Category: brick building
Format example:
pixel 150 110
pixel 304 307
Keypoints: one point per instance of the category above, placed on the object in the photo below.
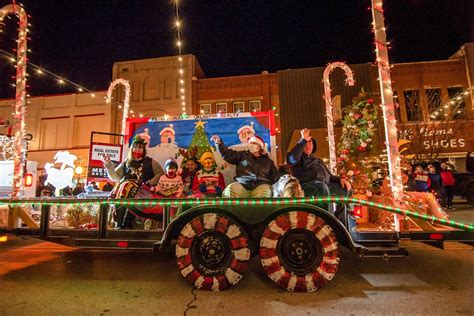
pixel 64 122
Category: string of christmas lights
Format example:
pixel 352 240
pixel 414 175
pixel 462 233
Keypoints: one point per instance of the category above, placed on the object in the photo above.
pixel 40 71
pixel 452 105
pixel 179 44
pixel 388 106
pixel 242 202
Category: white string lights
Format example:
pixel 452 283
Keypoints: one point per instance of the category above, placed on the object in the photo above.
pixel 388 106
pixel 451 107
pixel 40 71
pixel 329 108
pixel 179 44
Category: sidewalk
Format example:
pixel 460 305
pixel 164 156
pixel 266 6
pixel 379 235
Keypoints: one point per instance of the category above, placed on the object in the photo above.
pixel 462 212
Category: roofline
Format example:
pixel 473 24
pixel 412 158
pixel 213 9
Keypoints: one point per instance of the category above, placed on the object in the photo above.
pixel 55 95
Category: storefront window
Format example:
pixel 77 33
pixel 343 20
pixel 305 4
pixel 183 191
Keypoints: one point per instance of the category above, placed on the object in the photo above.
pixel 413 107
pixel 205 108
pixel 435 107
pixel 457 103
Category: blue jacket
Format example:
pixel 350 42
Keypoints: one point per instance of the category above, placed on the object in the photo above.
pixel 307 167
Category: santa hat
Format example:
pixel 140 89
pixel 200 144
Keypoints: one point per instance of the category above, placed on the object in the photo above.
pixel 258 140
pixel 168 129
pixel 249 127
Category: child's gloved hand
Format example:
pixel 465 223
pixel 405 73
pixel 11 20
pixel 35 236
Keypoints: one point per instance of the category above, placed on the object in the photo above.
pixel 218 190
pixel 202 188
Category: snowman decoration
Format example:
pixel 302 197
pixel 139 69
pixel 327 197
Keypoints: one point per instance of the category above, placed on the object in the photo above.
pixel 167 149
pixel 62 177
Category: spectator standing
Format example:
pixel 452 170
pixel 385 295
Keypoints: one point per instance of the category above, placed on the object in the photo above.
pixel 448 182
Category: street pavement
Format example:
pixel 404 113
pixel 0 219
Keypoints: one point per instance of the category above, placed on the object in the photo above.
pixel 41 278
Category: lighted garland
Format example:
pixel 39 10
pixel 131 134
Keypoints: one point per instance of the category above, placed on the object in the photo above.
pixel 388 106
pixel 329 107
pixel 7 147
pixel 20 95
pixel 239 202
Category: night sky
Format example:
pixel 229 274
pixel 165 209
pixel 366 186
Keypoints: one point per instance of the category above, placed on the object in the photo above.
pixel 82 39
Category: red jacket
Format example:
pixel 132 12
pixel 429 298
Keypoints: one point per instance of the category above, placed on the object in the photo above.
pixel 210 179
pixel 447 177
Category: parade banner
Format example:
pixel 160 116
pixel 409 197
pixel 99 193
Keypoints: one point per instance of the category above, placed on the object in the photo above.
pixel 96 170
pixel 166 137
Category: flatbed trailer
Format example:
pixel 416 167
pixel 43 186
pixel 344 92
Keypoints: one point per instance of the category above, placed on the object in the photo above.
pixel 297 239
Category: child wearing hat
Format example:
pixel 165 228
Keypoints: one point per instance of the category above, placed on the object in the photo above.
pixel 170 185
pixel 208 181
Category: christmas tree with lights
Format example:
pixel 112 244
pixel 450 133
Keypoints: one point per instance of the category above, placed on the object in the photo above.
pixel 200 140
pixel 356 147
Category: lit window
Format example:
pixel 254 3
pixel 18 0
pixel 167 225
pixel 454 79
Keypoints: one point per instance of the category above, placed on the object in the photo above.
pixel 221 107
pixel 255 106
pixel 205 108
pixel 239 107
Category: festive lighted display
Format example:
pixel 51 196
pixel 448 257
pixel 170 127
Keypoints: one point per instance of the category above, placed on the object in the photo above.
pixel 7 147
pixel 20 96
pixel 329 108
pixel 126 102
pixel 179 44
pixel 241 202
pixel 62 177
pixel 388 106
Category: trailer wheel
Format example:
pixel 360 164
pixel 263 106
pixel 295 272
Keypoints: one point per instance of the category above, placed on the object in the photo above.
pixel 212 252
pixel 299 252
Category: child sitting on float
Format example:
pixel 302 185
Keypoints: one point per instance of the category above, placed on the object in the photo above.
pixel 208 182
pixel 170 185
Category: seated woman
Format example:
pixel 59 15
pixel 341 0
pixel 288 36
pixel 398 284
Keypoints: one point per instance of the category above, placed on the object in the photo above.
pixel 130 175
pixel 255 171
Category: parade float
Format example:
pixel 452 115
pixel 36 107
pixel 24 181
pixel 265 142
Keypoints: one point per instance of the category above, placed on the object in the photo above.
pixel 298 240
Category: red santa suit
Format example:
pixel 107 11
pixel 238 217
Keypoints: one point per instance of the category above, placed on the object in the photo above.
pixel 208 182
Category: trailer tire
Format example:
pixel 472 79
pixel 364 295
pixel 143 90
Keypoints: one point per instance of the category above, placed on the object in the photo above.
pixel 299 251
pixel 212 252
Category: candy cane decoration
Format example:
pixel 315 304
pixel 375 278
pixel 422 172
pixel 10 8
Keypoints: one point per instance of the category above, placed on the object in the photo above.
pixel 126 102
pixel 329 109
pixel 388 107
pixel 20 96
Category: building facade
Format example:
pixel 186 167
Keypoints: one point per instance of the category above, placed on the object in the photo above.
pixel 64 122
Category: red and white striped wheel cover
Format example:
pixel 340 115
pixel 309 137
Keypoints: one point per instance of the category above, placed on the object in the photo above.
pixel 239 245
pixel 287 280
